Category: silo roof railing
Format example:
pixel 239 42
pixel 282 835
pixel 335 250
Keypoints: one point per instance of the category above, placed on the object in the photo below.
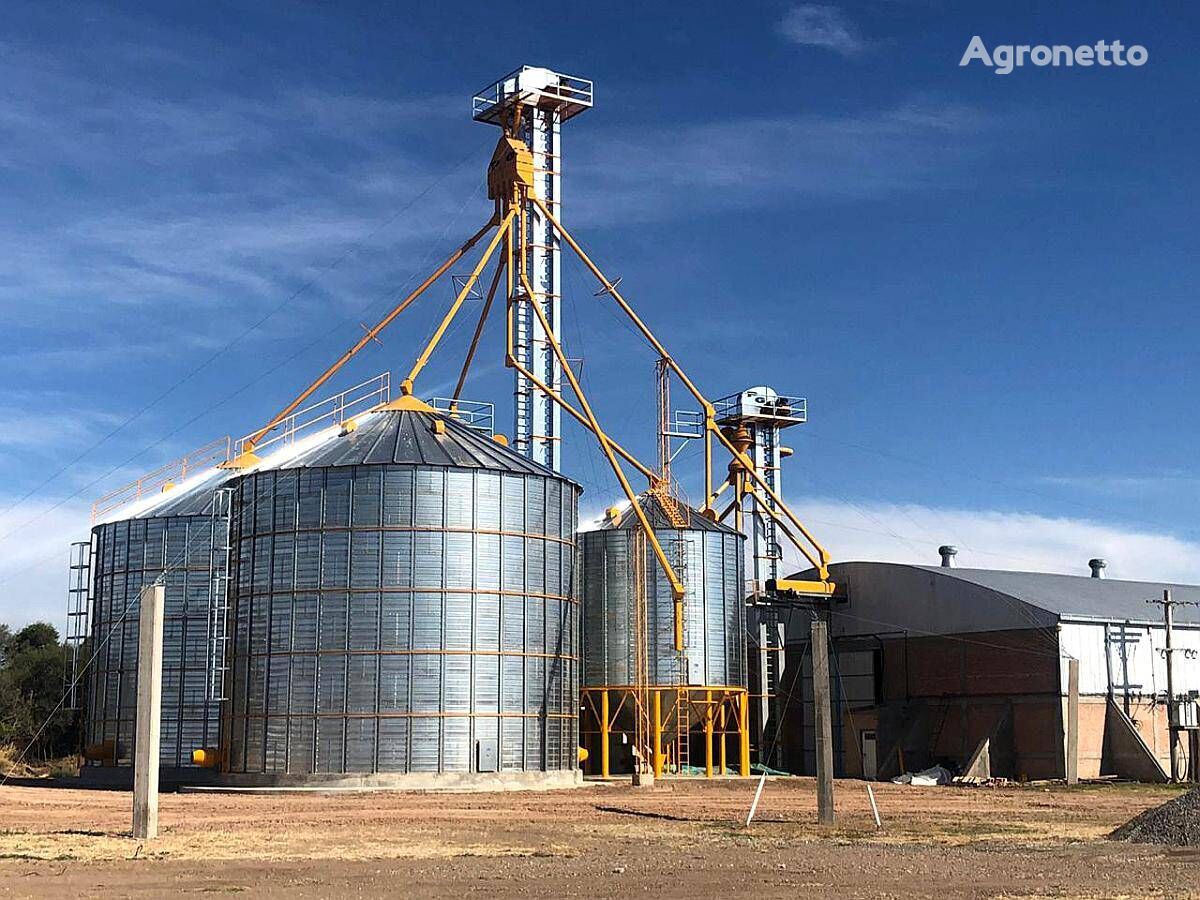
pixel 335 410
pixel 477 414
pixel 164 477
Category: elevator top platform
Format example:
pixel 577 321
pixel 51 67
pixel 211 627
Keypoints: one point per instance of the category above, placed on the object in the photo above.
pixel 532 86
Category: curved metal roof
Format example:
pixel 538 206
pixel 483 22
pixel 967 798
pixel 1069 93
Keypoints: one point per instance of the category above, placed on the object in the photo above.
pixel 942 600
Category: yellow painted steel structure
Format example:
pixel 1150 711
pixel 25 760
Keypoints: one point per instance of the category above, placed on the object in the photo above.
pixel 510 180
pixel 714 715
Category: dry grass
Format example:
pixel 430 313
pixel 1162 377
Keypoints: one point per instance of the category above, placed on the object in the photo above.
pixel 671 840
pixel 75 825
pixel 11 766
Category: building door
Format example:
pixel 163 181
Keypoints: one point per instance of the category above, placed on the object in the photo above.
pixel 870 766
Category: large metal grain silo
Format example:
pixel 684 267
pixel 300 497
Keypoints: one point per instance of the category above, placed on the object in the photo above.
pixel 173 532
pixel 701 687
pixel 404 603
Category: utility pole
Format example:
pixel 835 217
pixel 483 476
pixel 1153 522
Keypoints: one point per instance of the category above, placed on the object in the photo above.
pixel 149 711
pixel 1168 606
pixel 822 715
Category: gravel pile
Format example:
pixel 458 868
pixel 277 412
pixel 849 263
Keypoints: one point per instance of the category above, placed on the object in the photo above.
pixel 1176 822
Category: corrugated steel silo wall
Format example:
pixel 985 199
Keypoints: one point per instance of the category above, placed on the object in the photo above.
pixel 129 554
pixel 714 618
pixel 392 618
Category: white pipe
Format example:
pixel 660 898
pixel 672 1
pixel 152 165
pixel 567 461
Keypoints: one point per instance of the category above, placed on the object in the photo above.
pixel 757 794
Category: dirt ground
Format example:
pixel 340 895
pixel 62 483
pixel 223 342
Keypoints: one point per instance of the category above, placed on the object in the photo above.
pixel 678 839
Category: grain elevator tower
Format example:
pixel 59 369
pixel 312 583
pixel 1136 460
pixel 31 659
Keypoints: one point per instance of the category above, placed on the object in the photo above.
pixel 532 103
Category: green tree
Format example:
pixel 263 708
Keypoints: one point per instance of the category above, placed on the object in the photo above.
pixel 33 665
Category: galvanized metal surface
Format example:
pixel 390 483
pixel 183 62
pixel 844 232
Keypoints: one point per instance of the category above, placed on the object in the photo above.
pixel 714 617
pixel 404 618
pixel 406 437
pixel 129 554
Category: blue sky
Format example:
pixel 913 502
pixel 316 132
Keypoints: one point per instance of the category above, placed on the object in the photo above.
pixel 983 284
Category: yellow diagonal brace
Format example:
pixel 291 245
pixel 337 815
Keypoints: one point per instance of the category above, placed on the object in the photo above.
pixel 677 589
pixel 711 426
pixel 610 288
pixel 369 336
pixel 558 398
pixel 406 386
pixel 483 317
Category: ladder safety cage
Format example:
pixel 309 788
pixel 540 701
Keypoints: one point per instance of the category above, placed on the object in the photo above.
pixel 221 530
pixel 78 618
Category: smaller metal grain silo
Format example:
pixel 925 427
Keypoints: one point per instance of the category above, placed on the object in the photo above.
pixel 696 694
pixel 168 536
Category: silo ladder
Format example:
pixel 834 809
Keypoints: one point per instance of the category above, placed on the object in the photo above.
pixel 78 608
pixel 682 728
pixel 218 593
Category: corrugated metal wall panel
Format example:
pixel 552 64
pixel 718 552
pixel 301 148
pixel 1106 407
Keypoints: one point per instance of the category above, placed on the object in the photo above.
pixel 396 680
pixel 128 555
pixel 714 612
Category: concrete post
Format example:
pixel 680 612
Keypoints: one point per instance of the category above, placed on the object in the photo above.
pixel 823 720
pixel 149 711
pixel 1072 721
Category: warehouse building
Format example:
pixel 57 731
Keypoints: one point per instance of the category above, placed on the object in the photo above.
pixel 968 668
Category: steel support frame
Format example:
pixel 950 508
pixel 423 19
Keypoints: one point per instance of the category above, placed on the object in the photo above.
pixel 809 547
pixel 722 715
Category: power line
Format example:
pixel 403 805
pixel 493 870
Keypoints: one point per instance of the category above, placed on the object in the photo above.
pixel 226 398
pixel 346 254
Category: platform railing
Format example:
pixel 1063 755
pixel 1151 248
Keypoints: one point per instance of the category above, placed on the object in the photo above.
pixel 475 414
pixel 324 413
pixel 165 476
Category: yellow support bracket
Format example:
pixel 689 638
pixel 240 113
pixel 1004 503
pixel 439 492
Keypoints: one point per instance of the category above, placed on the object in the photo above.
pixel 406 386
pixel 802 588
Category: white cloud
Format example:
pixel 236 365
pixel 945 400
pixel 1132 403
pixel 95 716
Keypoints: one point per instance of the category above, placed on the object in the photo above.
pixel 21 429
pixel 33 562
pixel 819 25
pixel 212 197
pixel 991 539
pixel 657 173
pixel 1124 486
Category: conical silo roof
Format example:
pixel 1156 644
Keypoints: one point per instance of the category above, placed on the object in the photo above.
pixel 651 503
pixel 421 437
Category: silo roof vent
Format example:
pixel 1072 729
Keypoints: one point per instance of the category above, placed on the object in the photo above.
pixel 1097 566
pixel 948 553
